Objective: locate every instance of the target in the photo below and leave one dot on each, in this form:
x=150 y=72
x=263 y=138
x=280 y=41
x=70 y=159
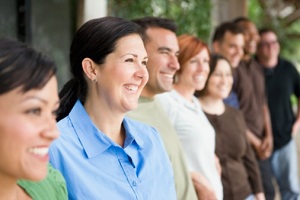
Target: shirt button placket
x=134 y=183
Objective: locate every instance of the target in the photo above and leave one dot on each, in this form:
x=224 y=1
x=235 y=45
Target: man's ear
x=89 y=69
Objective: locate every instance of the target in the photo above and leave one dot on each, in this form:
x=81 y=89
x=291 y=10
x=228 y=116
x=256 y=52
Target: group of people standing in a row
x=149 y=115
x=263 y=84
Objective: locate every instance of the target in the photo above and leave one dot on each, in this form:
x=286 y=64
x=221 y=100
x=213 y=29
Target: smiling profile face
x=195 y=71
x=123 y=76
x=220 y=82
x=27 y=128
x=231 y=47
x=251 y=37
x=162 y=48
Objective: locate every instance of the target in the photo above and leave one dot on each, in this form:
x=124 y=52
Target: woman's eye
x=129 y=60
x=217 y=74
x=34 y=111
x=144 y=63
x=206 y=61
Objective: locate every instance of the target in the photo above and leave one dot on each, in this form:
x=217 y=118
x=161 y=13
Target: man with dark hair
x=282 y=81
x=228 y=41
x=162 y=48
x=250 y=89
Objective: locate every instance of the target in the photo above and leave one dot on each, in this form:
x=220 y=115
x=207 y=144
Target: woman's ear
x=89 y=69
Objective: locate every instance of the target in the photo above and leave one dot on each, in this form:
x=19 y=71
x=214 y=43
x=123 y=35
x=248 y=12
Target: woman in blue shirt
x=101 y=153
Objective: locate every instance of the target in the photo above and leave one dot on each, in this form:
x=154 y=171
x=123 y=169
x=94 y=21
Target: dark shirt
x=282 y=81
x=240 y=173
x=250 y=89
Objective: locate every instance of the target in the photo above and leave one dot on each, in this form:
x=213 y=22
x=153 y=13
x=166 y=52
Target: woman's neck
x=212 y=105
x=9 y=190
x=107 y=120
x=187 y=93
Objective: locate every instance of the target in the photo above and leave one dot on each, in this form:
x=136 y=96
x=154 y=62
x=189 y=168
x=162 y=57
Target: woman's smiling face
x=123 y=76
x=195 y=71
x=220 y=81
x=27 y=128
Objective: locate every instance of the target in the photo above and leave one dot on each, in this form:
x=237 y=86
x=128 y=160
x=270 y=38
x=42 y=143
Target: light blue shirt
x=95 y=167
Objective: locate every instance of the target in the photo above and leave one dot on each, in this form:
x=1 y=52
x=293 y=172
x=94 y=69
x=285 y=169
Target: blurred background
x=49 y=25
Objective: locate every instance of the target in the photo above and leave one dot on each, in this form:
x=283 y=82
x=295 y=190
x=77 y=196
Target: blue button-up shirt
x=95 y=167
x=232 y=100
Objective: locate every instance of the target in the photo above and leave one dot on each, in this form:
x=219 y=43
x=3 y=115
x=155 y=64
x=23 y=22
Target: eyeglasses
x=269 y=44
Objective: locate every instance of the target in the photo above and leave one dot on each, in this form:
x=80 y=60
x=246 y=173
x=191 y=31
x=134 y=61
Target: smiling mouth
x=252 y=44
x=131 y=88
x=199 y=78
x=169 y=76
x=39 y=151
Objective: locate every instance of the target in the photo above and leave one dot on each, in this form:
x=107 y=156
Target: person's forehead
x=248 y=25
x=230 y=37
x=162 y=37
x=152 y=32
x=268 y=36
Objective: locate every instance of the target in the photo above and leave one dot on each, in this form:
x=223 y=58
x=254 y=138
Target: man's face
x=268 y=47
x=251 y=37
x=231 y=47
x=162 y=49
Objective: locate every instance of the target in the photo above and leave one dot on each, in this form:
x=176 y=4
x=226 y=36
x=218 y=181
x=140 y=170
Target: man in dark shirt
x=282 y=80
x=250 y=89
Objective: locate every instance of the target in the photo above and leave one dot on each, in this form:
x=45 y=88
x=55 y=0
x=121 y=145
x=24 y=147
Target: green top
x=151 y=112
x=53 y=187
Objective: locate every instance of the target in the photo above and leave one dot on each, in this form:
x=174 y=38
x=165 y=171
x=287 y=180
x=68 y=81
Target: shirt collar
x=132 y=133
x=195 y=106
x=143 y=99
x=93 y=140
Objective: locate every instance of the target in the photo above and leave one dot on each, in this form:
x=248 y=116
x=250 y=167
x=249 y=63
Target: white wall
x=94 y=9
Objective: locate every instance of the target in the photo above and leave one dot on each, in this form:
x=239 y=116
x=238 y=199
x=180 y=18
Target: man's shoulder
x=285 y=62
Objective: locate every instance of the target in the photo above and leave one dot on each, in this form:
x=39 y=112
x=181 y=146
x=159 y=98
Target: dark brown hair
x=214 y=59
x=95 y=40
x=21 y=65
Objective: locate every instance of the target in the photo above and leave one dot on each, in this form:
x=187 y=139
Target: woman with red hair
x=184 y=110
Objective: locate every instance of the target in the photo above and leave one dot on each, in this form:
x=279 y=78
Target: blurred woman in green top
x=28 y=104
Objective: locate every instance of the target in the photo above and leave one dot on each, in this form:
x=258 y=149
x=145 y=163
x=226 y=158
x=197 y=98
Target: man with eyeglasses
x=282 y=81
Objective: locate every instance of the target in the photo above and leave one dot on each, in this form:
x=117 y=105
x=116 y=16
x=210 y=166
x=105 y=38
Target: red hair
x=189 y=46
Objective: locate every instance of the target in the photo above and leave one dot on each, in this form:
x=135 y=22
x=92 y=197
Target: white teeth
x=42 y=151
x=168 y=75
x=132 y=87
x=199 y=78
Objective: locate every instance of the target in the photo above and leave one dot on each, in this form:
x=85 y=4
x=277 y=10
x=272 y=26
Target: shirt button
x=134 y=183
